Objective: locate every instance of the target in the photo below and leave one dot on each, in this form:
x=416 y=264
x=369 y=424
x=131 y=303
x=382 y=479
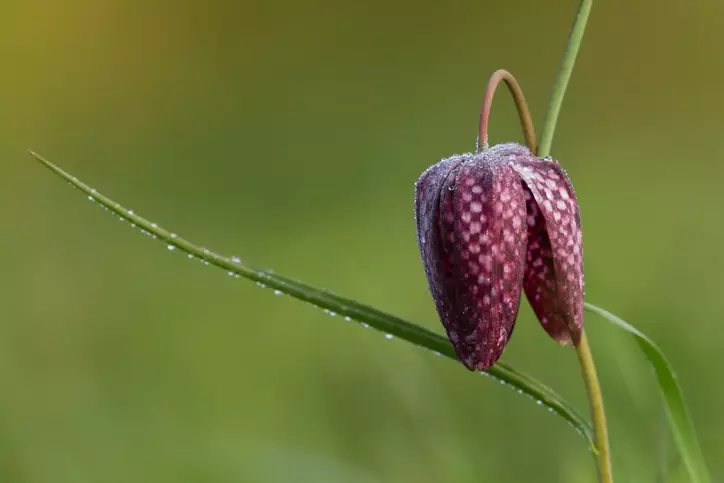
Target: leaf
x=676 y=410
x=350 y=309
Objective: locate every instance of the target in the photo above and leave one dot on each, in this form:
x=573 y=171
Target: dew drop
x=231 y=274
x=277 y=292
x=91 y=198
x=173 y=235
x=236 y=259
x=364 y=325
x=258 y=284
x=93 y=190
x=171 y=247
x=130 y=212
x=190 y=256
x=153 y=225
x=348 y=319
x=539 y=402
x=389 y=336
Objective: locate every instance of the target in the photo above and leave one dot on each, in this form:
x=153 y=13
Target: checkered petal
x=471 y=220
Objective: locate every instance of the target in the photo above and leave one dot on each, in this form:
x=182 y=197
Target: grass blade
x=677 y=413
x=369 y=316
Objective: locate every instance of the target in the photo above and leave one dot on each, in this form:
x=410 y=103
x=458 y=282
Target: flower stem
x=585 y=358
x=564 y=75
x=526 y=122
x=595 y=399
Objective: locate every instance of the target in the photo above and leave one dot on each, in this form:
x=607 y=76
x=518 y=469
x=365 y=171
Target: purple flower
x=489 y=225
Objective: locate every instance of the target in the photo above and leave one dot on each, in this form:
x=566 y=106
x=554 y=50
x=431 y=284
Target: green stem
x=564 y=75
x=598 y=415
x=585 y=358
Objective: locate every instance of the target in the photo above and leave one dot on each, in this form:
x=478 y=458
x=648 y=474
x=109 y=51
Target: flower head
x=489 y=225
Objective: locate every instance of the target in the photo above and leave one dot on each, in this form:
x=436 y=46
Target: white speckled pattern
x=489 y=225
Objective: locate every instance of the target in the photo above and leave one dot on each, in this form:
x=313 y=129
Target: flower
x=488 y=225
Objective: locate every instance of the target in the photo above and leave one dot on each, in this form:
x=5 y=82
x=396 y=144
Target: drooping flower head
x=488 y=225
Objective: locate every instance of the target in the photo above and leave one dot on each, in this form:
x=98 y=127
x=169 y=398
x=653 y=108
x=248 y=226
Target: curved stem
x=595 y=399
x=526 y=122
x=564 y=75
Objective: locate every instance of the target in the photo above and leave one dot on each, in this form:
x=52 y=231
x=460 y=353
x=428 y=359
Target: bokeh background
x=290 y=134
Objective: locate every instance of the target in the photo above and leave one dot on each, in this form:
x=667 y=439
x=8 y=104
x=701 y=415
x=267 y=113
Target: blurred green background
x=290 y=134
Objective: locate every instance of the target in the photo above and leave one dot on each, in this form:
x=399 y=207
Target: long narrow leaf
x=335 y=304
x=676 y=410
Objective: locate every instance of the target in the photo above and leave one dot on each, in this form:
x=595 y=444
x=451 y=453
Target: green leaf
x=346 y=308
x=677 y=413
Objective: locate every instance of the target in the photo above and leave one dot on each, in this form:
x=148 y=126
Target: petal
x=475 y=259
x=553 y=279
x=490 y=237
x=427 y=217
